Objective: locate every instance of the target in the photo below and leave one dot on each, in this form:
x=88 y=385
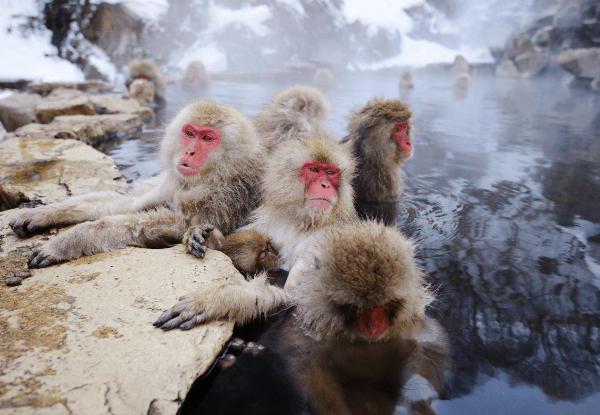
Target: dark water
x=504 y=199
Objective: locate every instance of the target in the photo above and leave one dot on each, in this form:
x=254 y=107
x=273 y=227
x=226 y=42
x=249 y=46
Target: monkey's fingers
x=19 y=227
x=207 y=229
x=39 y=259
x=196 y=248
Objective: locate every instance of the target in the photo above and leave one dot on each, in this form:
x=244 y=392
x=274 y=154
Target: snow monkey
x=195 y=75
x=147 y=70
x=356 y=340
x=299 y=112
x=381 y=135
x=211 y=174
x=142 y=91
x=306 y=187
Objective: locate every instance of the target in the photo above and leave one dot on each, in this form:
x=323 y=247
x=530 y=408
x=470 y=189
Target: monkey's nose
x=190 y=153
x=325 y=185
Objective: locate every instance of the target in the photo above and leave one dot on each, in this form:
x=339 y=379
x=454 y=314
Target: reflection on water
x=503 y=196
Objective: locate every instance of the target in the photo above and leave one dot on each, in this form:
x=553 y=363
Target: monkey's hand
x=29 y=221
x=231 y=298
x=197 y=238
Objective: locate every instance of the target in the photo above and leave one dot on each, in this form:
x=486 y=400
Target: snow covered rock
x=17 y=110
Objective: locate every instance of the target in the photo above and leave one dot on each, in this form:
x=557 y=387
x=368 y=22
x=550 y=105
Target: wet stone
x=45 y=88
x=17 y=110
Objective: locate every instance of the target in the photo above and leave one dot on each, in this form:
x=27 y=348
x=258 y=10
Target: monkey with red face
x=306 y=187
x=154 y=86
x=382 y=140
x=211 y=173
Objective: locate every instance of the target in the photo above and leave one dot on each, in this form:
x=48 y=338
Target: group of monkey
x=275 y=192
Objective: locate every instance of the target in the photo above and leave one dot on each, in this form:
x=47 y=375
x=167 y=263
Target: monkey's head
x=142 y=69
x=360 y=283
x=207 y=138
x=383 y=131
x=309 y=181
x=294 y=113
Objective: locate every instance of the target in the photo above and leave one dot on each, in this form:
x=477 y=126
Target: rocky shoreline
x=77 y=337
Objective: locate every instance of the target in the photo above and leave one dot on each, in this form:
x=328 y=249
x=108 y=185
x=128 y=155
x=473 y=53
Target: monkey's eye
x=330 y=172
x=189 y=133
x=207 y=138
x=314 y=169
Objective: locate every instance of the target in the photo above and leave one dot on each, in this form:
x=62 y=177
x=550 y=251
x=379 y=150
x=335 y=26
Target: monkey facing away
x=306 y=187
x=357 y=340
x=381 y=135
x=298 y=112
x=211 y=174
x=195 y=75
x=145 y=69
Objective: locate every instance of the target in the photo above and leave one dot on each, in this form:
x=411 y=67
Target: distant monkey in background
x=296 y=113
x=147 y=70
x=142 y=91
x=381 y=135
x=212 y=164
x=195 y=75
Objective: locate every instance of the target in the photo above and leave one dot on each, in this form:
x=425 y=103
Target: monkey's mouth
x=186 y=170
x=319 y=203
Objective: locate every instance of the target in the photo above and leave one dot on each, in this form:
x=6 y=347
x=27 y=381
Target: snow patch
x=252 y=17
x=149 y=10
x=30 y=55
x=210 y=55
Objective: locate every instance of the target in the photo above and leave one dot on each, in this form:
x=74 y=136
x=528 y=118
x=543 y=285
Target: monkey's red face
x=321 y=184
x=197 y=142
x=375 y=321
x=401 y=136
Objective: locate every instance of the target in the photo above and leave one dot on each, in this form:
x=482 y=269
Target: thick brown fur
x=286 y=220
x=10 y=199
x=251 y=252
x=346 y=269
x=296 y=113
x=379 y=175
x=145 y=68
x=223 y=193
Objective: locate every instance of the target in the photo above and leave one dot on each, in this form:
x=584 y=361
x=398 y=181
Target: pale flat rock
x=44 y=88
x=52 y=169
x=63 y=102
x=115 y=104
x=582 y=63
x=78 y=337
x=91 y=129
x=17 y=110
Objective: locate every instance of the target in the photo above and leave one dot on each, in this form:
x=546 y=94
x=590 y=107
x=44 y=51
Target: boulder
x=46 y=88
x=507 y=69
x=115 y=104
x=582 y=63
x=63 y=102
x=91 y=129
x=531 y=63
x=17 y=110
x=78 y=337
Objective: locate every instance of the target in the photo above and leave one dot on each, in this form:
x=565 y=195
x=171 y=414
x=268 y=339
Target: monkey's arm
x=325 y=394
x=231 y=298
x=153 y=229
x=92 y=206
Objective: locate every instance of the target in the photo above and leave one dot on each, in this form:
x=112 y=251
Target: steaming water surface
x=504 y=199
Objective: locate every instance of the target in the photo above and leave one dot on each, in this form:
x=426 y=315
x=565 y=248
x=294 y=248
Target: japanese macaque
x=381 y=135
x=211 y=174
x=195 y=75
x=406 y=81
x=460 y=65
x=299 y=112
x=148 y=70
x=357 y=340
x=306 y=187
x=143 y=91
x=324 y=78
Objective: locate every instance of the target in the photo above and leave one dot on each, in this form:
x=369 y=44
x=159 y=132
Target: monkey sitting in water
x=357 y=340
x=212 y=164
x=380 y=132
x=155 y=85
